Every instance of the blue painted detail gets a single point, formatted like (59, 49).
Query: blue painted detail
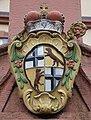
(6, 13)
(86, 18)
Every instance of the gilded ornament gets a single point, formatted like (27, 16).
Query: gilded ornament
(45, 61)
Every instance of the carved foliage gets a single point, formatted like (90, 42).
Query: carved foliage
(72, 59)
(17, 61)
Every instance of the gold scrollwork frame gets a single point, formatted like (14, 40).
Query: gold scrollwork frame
(44, 103)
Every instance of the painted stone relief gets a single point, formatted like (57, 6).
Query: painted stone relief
(45, 60)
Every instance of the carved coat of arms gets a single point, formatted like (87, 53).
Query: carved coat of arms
(45, 60)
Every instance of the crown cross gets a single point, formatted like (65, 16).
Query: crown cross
(43, 11)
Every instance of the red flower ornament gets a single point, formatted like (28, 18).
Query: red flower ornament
(78, 30)
(70, 63)
(18, 64)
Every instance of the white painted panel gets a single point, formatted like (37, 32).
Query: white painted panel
(28, 64)
(47, 85)
(41, 62)
(4, 28)
(3, 41)
(30, 55)
(4, 5)
(87, 37)
(58, 71)
(48, 71)
(57, 81)
(40, 50)
(86, 7)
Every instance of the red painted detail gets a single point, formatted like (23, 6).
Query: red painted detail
(18, 64)
(31, 16)
(78, 30)
(70, 63)
(55, 15)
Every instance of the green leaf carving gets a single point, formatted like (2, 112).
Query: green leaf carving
(67, 72)
(76, 58)
(23, 79)
(63, 81)
(67, 82)
(19, 78)
(16, 57)
(74, 67)
(67, 85)
(15, 70)
(21, 70)
(71, 74)
(68, 56)
(21, 84)
(71, 56)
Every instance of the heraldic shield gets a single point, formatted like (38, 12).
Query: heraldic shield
(45, 60)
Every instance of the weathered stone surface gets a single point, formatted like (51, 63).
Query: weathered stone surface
(79, 106)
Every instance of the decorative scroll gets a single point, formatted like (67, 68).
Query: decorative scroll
(44, 103)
